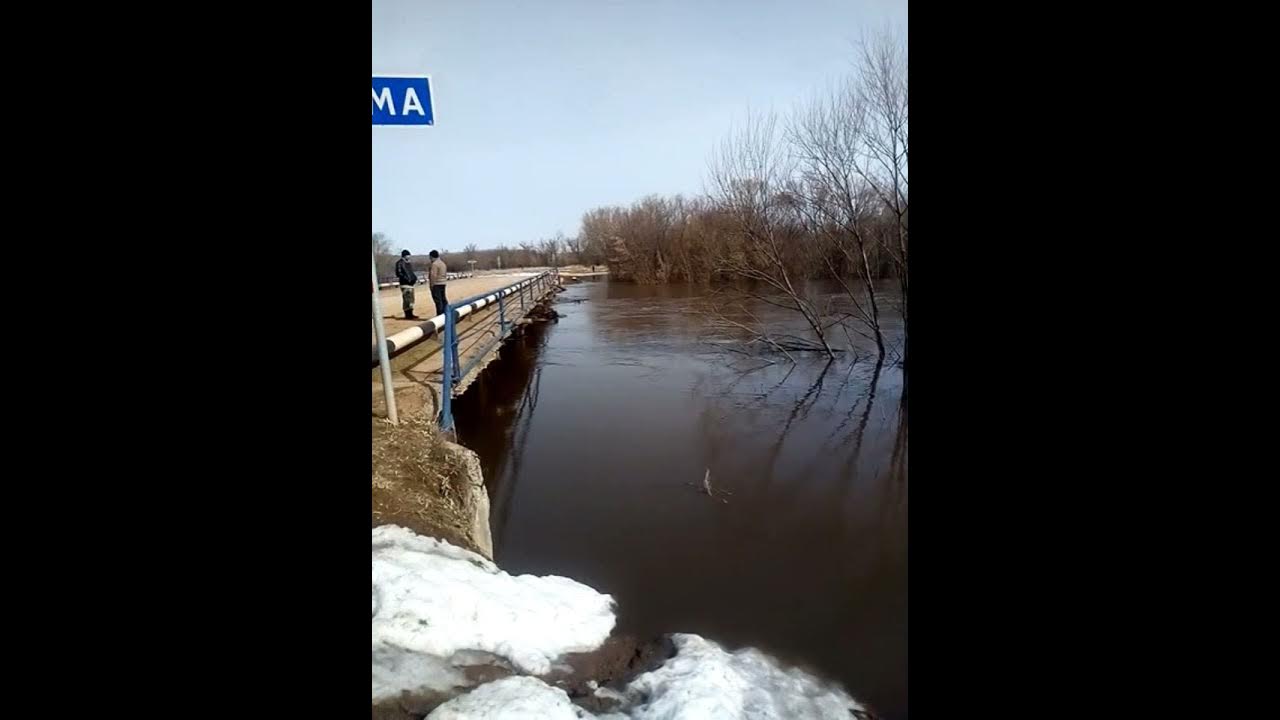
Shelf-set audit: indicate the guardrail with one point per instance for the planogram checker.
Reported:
(413, 335)
(387, 282)
(529, 292)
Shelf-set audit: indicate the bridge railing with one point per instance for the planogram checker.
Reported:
(391, 281)
(514, 302)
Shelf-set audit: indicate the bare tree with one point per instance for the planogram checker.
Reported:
(882, 90)
(827, 138)
(593, 251)
(749, 177)
(549, 250)
(384, 257)
(575, 246)
(528, 254)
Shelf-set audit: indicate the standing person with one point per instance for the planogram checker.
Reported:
(437, 275)
(408, 278)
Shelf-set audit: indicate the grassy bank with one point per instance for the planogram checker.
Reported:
(422, 482)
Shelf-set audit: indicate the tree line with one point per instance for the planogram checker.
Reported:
(550, 252)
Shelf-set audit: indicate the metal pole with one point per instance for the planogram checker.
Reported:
(384, 360)
(446, 389)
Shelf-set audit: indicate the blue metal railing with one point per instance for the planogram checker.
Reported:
(529, 292)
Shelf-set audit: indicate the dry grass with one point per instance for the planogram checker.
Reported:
(584, 270)
(418, 482)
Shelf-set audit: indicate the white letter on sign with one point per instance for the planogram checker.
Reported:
(383, 100)
(411, 101)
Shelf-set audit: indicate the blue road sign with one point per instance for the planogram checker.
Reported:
(402, 101)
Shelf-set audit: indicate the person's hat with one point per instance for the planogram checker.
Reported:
(404, 253)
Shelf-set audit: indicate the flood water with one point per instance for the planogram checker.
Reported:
(594, 431)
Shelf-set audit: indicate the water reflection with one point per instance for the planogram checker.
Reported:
(495, 415)
(592, 431)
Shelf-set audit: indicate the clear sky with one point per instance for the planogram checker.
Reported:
(547, 108)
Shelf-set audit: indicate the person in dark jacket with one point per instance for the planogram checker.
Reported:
(408, 279)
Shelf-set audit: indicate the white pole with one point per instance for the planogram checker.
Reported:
(383, 360)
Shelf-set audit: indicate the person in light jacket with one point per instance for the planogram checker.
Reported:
(437, 275)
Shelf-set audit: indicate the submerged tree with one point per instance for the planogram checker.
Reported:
(750, 179)
(882, 162)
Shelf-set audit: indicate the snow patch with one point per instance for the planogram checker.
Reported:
(605, 693)
(514, 698)
(704, 682)
(396, 669)
(438, 608)
(433, 602)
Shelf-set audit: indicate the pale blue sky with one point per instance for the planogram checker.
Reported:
(547, 109)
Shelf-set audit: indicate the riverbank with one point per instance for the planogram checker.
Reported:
(423, 482)
(426, 491)
(580, 271)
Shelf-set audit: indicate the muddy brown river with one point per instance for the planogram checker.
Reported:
(594, 433)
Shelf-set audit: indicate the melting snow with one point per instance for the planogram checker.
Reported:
(702, 682)
(514, 698)
(437, 607)
(433, 602)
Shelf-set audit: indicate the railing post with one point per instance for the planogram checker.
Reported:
(450, 367)
(453, 348)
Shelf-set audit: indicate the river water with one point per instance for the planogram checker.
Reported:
(594, 433)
